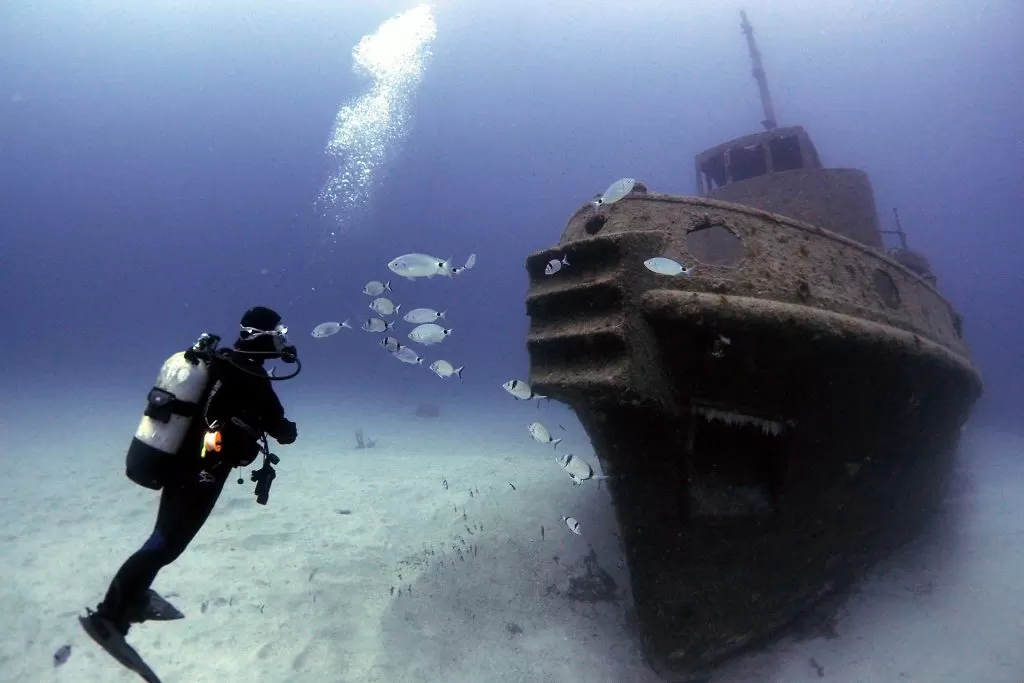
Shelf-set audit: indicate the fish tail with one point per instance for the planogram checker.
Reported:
(387, 286)
(555, 442)
(458, 371)
(397, 306)
(441, 315)
(565, 259)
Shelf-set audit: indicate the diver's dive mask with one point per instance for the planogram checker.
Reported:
(278, 335)
(267, 344)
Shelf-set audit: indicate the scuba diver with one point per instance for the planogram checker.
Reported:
(210, 411)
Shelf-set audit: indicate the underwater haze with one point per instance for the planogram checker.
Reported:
(166, 165)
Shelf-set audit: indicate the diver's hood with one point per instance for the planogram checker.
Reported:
(261, 332)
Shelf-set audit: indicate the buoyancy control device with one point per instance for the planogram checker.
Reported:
(179, 394)
(171, 406)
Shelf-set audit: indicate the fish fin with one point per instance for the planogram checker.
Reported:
(409, 278)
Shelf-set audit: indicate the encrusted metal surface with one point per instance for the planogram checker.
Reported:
(771, 424)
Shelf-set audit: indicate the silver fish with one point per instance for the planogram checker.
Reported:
(376, 287)
(429, 333)
(383, 306)
(418, 316)
(470, 262)
(573, 524)
(377, 325)
(616, 191)
(540, 433)
(554, 265)
(578, 469)
(407, 355)
(444, 369)
(520, 390)
(327, 329)
(666, 266)
(412, 266)
(391, 344)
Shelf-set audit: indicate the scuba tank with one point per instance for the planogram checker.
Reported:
(181, 391)
(171, 405)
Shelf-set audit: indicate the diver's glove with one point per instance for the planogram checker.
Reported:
(287, 432)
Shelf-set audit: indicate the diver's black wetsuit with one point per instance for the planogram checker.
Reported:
(195, 484)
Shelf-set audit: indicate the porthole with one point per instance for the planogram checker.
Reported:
(715, 245)
(886, 288)
(594, 224)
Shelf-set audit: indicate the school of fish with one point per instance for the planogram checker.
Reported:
(428, 331)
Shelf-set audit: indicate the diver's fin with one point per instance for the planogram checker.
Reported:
(158, 609)
(110, 639)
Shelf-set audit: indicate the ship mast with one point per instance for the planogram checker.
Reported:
(758, 72)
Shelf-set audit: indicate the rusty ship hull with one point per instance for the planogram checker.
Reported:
(771, 424)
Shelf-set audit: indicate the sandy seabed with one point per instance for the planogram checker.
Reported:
(366, 567)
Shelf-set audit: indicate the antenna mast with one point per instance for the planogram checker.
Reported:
(758, 72)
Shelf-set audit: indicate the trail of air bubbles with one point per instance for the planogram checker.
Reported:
(369, 131)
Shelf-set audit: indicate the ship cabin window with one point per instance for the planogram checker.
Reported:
(747, 162)
(785, 153)
(714, 172)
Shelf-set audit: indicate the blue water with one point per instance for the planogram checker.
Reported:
(161, 164)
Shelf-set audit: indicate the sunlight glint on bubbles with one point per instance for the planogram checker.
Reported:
(369, 130)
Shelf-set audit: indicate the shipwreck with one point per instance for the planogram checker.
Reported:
(773, 423)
